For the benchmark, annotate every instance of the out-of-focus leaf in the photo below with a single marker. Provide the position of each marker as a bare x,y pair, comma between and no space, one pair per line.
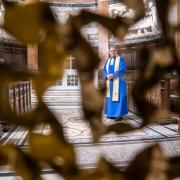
34,23
27,22
9,75
92,106
61,156
178,102
162,11
52,150
118,26
138,6
88,60
103,170
41,27
53,122
162,57
174,167
177,28
106,170
153,69
29,119
38,17
148,164
51,61
24,165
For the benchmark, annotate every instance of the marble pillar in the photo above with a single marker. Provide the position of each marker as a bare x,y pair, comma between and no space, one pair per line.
32,57
103,43
32,51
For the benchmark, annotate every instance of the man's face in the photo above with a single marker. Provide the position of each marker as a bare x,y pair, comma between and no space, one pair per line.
112,52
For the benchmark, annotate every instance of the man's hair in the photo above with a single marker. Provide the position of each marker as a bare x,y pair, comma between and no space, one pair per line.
113,47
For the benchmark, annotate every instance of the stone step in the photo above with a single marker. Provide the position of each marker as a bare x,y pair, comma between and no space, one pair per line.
59,101
59,98
60,93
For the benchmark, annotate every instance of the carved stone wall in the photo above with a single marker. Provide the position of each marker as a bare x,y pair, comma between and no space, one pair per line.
148,26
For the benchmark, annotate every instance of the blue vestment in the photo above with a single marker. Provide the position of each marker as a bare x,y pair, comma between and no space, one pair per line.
116,108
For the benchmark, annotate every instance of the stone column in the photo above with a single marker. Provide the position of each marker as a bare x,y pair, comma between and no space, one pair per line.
103,43
32,57
32,51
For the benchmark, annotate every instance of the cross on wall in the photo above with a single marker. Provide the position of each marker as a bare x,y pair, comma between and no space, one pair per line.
70,58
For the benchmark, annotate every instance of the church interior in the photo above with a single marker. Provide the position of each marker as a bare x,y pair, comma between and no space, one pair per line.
52,89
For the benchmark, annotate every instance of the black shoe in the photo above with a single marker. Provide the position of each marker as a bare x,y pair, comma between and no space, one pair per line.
119,119
111,117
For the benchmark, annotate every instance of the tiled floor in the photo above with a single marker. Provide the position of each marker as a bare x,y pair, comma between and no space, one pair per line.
77,130
67,108
119,149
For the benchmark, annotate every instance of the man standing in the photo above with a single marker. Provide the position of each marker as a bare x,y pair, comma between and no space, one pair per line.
116,96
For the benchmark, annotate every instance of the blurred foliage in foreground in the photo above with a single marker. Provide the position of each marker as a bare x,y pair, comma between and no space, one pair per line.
35,24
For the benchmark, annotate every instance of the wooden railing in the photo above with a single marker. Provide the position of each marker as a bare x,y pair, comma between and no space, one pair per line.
19,96
159,95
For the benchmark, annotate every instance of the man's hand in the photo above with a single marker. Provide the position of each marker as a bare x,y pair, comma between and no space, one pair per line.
110,76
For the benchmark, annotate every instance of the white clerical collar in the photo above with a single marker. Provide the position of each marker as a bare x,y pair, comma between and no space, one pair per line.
112,60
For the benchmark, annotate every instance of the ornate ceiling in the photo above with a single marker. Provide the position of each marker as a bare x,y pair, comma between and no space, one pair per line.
148,26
